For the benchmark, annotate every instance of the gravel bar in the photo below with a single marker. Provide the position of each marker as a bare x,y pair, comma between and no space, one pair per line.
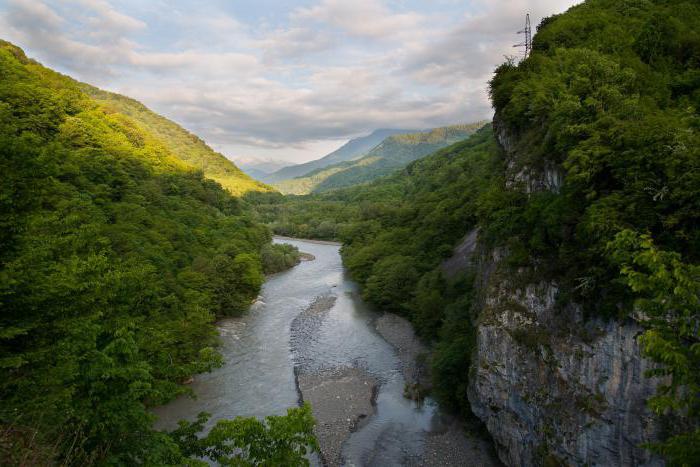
341,399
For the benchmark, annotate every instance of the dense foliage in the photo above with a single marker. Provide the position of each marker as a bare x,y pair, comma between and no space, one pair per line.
181,143
115,258
611,94
312,216
391,154
609,98
277,257
279,440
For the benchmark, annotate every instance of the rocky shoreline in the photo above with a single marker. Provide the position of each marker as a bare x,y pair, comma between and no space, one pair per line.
344,398
413,354
341,399
448,444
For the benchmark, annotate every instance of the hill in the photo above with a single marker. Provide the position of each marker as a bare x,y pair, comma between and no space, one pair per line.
391,154
259,168
353,149
184,145
116,257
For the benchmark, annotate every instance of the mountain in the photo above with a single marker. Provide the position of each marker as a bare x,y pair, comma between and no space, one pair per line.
353,149
184,145
553,258
393,153
259,168
117,255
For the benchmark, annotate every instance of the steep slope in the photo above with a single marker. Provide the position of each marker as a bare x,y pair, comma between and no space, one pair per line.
184,145
353,149
593,202
391,154
116,256
554,258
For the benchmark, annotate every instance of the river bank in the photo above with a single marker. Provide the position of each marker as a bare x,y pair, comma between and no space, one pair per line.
311,337
283,239
344,398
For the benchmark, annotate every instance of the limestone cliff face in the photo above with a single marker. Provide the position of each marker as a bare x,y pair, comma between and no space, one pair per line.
523,174
551,386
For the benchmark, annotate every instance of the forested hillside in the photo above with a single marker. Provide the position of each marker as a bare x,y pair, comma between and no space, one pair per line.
116,256
589,179
181,143
353,149
391,154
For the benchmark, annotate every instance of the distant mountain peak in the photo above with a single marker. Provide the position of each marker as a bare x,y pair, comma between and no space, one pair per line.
353,149
394,150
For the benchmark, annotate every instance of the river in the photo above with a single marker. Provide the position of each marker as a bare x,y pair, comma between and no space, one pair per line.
310,326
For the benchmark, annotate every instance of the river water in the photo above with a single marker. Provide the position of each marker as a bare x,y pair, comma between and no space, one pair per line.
258,376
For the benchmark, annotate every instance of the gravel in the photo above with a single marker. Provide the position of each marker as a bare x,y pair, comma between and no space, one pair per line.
448,444
341,399
454,446
413,354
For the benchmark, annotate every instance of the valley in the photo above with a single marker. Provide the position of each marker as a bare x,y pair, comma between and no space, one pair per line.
522,291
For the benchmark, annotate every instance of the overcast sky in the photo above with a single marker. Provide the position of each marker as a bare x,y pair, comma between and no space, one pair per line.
287,80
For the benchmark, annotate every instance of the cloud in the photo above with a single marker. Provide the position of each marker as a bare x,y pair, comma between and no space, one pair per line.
294,42
105,21
318,73
369,18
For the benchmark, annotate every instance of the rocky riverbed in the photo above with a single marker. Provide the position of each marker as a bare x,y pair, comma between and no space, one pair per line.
341,400
310,337
344,397
447,444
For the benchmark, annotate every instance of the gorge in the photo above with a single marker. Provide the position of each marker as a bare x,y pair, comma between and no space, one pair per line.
521,292
309,336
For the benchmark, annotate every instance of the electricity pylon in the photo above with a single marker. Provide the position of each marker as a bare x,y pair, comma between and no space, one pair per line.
527,43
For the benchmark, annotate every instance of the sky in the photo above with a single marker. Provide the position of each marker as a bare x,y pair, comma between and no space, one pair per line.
283,80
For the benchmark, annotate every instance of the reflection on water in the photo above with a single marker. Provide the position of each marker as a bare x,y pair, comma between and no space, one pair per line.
258,378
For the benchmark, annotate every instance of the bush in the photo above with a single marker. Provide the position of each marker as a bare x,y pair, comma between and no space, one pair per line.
277,257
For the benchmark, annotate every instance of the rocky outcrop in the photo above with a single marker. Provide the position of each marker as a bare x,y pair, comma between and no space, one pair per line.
551,386
461,255
522,174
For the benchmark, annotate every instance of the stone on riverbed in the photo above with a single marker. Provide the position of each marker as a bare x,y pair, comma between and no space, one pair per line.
412,353
340,399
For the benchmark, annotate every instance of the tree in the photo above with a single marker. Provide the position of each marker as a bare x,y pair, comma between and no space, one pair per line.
247,441
667,301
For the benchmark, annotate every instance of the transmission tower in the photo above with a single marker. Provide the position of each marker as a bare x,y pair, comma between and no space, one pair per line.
527,43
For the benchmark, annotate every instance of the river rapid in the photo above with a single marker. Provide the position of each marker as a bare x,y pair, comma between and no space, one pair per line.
309,336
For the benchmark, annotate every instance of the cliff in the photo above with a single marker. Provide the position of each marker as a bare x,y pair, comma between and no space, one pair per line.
552,386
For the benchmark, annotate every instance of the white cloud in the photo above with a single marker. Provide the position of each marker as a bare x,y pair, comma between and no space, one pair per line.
370,18
330,71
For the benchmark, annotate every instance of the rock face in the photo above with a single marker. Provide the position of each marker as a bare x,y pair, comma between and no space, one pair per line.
552,387
522,174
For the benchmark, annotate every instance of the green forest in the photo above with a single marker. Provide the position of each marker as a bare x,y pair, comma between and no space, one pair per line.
611,94
117,256
123,238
